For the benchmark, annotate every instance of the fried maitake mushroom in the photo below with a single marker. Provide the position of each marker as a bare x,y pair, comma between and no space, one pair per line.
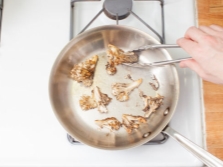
84,71
98,99
110,67
131,122
111,123
87,102
151,104
101,99
117,56
122,90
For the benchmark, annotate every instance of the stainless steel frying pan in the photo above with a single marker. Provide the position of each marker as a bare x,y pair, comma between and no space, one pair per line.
65,92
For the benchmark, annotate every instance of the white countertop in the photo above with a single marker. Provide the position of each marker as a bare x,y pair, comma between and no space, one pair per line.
33,34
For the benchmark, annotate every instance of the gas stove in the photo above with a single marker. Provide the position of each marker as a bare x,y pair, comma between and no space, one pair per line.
33,34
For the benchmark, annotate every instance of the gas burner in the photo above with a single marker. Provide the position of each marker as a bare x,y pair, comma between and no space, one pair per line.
117,9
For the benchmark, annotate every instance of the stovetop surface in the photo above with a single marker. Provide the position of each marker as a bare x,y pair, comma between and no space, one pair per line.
33,34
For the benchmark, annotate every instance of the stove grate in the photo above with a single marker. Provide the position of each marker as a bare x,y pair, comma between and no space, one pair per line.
161,37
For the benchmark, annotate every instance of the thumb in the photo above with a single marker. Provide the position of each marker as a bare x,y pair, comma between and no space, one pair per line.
193,65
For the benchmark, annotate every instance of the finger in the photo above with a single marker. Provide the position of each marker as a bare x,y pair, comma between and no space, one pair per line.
218,30
216,27
188,45
194,33
182,64
209,30
193,65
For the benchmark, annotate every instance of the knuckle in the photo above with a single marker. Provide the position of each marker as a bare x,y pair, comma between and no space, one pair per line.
220,35
209,39
216,27
192,28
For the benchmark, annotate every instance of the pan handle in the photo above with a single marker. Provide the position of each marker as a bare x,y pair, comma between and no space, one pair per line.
199,152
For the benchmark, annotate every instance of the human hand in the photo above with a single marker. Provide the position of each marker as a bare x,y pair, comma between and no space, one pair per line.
205,45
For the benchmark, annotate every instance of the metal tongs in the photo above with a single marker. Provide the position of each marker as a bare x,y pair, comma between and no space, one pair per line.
158,63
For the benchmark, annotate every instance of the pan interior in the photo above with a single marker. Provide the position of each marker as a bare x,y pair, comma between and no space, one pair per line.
65,92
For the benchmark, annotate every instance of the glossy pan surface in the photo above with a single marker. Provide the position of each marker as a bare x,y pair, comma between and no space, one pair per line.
65,92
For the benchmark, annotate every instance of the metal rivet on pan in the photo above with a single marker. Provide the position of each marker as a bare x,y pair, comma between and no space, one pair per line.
166,112
146,134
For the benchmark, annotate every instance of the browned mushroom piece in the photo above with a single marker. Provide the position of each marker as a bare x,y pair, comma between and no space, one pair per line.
87,102
101,99
117,56
84,71
122,90
110,68
97,99
111,123
131,122
151,104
